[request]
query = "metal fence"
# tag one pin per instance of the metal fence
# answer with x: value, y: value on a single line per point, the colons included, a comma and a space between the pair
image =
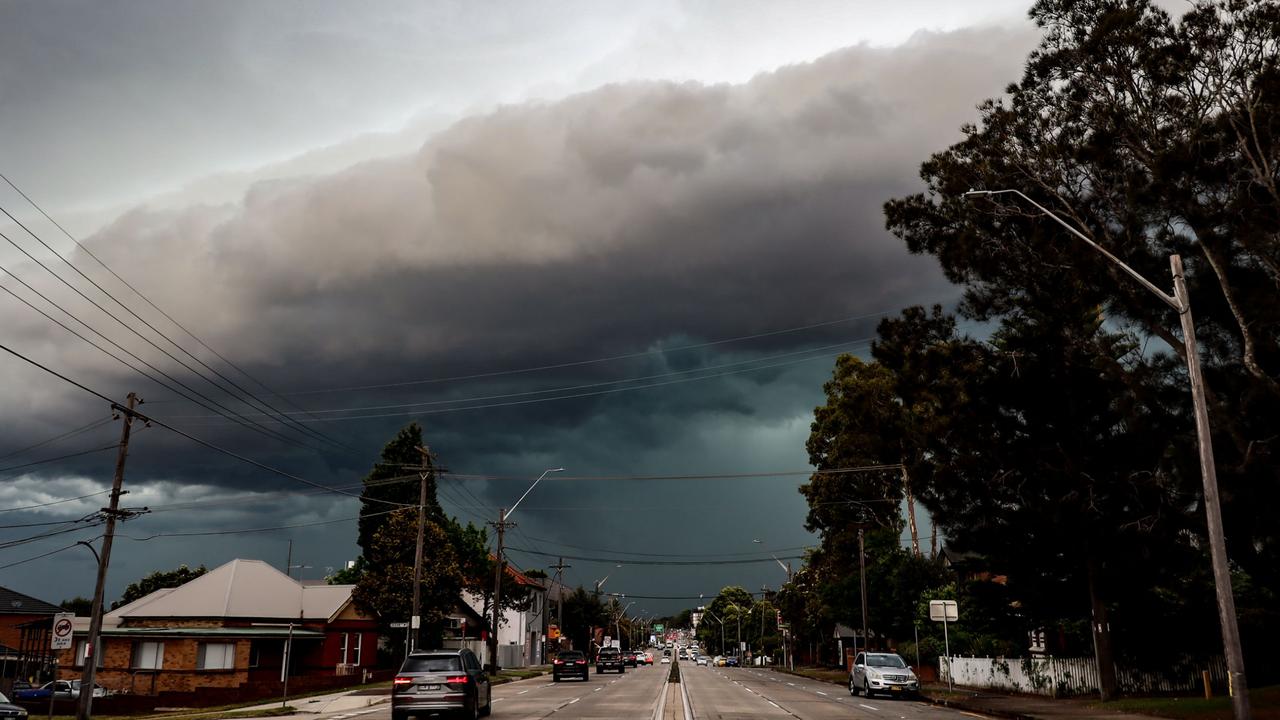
x: 1062, y: 677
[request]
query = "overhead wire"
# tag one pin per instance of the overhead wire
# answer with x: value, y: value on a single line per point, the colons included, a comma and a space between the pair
x: 306, y: 430
x: 66, y: 456
x: 140, y: 294
x: 59, y: 501
x: 183, y: 433
x: 622, y: 561
x: 38, y: 557
x: 245, y: 531
x: 243, y: 421
x: 60, y: 436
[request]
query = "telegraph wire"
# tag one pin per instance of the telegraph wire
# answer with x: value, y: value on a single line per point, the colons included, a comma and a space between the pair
x: 61, y: 436
x: 577, y: 363
x: 244, y: 531
x: 623, y: 561
x: 126, y: 308
x: 90, y: 451
x: 59, y: 501
x: 242, y: 421
x: 189, y: 436
x: 38, y: 557
x: 145, y: 299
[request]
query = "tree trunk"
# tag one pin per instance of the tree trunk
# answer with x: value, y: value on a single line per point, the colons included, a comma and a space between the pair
x: 1101, y: 630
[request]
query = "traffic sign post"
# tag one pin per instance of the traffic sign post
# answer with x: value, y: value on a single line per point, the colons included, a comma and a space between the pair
x: 945, y: 611
x: 62, y: 630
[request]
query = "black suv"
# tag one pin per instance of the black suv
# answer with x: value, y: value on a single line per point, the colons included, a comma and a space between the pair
x: 569, y: 663
x: 433, y: 681
x: 610, y: 658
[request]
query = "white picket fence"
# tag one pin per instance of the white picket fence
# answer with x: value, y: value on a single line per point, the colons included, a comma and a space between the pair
x: 1061, y: 677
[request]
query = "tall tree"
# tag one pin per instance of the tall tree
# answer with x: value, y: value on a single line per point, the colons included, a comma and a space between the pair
x: 394, y: 482
x: 157, y: 580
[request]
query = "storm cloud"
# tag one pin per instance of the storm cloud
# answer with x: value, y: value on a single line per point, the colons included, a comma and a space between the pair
x: 626, y: 220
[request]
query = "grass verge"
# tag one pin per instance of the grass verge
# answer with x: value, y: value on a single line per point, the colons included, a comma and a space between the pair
x: 1265, y: 702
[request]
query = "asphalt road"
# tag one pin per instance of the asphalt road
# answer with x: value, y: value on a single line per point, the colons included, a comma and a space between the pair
x: 739, y: 693
x: 714, y: 694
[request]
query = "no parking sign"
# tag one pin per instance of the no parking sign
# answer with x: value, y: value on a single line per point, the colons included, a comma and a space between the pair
x: 62, y: 627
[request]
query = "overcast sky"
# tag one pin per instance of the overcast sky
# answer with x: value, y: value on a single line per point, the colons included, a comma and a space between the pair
x: 335, y: 195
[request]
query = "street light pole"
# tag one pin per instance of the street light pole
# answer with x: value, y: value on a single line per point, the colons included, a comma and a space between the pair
x: 499, y: 565
x: 1181, y: 302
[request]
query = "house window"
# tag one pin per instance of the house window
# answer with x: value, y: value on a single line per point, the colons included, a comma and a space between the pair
x: 255, y: 654
x: 148, y: 655
x: 216, y: 656
x: 81, y: 647
x: 359, y: 647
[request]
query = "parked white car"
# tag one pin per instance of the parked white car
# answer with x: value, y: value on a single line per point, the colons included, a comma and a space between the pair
x: 884, y: 673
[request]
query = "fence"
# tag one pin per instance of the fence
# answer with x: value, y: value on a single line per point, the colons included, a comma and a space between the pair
x: 1061, y: 677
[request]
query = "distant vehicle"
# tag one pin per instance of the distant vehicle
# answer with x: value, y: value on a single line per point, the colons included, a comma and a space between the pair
x: 884, y: 673
x: 630, y: 659
x: 569, y: 663
x: 610, y: 658
x: 702, y: 660
x: 23, y: 690
x: 666, y: 660
x: 731, y: 661
x: 718, y: 661
x: 433, y: 681
x: 9, y: 710
x: 645, y: 657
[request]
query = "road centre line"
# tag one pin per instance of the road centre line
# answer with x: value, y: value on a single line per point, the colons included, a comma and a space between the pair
x: 869, y: 707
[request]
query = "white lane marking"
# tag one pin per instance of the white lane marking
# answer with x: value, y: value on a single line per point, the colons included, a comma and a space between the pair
x: 868, y: 707
x: 791, y: 684
x: 774, y: 704
x: 497, y: 700
x: 522, y: 692
x: 597, y: 689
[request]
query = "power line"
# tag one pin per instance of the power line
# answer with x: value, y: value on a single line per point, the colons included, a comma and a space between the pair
x: 59, y: 501
x: 578, y: 363
x: 61, y: 436
x: 704, y: 476
x: 242, y: 421
x: 244, y: 531
x: 672, y: 555
x: 624, y: 561
x: 59, y: 457
x: 38, y: 557
x: 146, y: 299
x: 183, y: 433
x: 126, y: 308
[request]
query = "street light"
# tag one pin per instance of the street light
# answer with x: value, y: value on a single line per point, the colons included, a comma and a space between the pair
x: 501, y: 526
x: 1181, y: 302
x: 786, y: 567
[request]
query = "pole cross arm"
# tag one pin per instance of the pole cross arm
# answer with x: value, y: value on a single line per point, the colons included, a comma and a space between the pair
x: 1166, y: 297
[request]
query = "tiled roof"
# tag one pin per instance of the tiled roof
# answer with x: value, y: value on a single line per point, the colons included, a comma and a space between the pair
x: 13, y: 602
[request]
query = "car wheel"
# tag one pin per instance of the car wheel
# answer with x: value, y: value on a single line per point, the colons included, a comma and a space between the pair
x: 474, y: 711
x: 866, y: 689
x: 853, y: 689
x: 488, y: 704
x: 555, y: 678
x: 399, y: 715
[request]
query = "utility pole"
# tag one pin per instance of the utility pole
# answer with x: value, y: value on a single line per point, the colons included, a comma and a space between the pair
x: 911, y: 511
x: 501, y: 526
x: 84, y: 708
x: 415, y: 621
x: 862, y: 572
x: 559, y: 588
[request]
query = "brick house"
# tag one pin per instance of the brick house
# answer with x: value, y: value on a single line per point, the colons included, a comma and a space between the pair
x: 229, y: 628
x: 25, y: 624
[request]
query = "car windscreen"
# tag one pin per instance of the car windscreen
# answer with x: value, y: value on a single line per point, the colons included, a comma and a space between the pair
x: 432, y: 663
x: 572, y: 655
x: 3, y: 699
x: 889, y: 661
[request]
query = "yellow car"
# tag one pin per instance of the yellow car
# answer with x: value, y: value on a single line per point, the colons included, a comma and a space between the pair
x: 719, y: 661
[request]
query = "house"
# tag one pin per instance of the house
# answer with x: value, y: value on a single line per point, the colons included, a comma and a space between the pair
x: 25, y: 624
x: 235, y: 626
x: 521, y: 633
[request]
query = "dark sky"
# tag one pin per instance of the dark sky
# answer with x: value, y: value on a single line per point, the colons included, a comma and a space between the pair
x: 328, y: 220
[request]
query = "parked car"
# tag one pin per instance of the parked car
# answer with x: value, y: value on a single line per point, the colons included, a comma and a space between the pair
x: 702, y: 660
x: 629, y: 658
x: 432, y: 681
x: 882, y: 673
x: 23, y: 690
x: 731, y: 661
x: 610, y: 658
x: 60, y: 689
x: 9, y: 711
x: 569, y: 663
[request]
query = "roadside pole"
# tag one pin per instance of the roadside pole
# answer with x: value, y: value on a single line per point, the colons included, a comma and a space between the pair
x: 84, y: 705
x: 415, y: 634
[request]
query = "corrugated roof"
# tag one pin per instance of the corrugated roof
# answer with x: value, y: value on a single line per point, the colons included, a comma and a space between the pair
x: 240, y: 589
x: 13, y: 602
x: 239, y: 632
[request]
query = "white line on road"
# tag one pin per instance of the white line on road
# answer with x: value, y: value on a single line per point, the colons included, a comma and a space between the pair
x: 774, y: 704
x: 597, y: 689
x: 868, y: 707
x: 574, y: 700
x: 820, y: 692
x: 522, y: 692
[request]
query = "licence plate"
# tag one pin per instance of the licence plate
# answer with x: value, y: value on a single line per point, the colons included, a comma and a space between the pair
x: 429, y: 687
x: 895, y: 688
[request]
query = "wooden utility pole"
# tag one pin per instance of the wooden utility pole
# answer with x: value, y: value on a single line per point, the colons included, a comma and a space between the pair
x: 84, y: 707
x: 1212, y: 508
x: 501, y: 526
x: 415, y: 621
x: 862, y: 572
x: 558, y: 585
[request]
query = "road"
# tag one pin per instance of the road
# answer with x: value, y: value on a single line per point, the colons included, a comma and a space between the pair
x: 714, y: 694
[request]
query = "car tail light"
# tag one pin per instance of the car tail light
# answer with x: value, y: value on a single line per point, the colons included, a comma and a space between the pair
x: 457, y: 680
x: 559, y: 662
x: 582, y: 662
x: 402, y: 681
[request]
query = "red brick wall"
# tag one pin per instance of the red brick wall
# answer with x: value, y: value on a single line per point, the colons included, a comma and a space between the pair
x: 10, y: 634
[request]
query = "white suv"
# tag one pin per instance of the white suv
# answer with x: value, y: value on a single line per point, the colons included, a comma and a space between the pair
x: 882, y: 673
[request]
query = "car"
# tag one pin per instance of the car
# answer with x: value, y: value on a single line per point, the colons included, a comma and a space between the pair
x: 10, y: 711
x: 569, y: 663
x: 882, y: 673
x: 23, y: 690
x: 610, y: 658
x: 702, y: 660
x: 629, y: 658
x: 731, y: 661
x: 666, y: 660
x: 434, y: 681
x: 648, y: 658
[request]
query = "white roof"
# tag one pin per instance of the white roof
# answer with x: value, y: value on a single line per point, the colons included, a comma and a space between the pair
x: 240, y: 589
